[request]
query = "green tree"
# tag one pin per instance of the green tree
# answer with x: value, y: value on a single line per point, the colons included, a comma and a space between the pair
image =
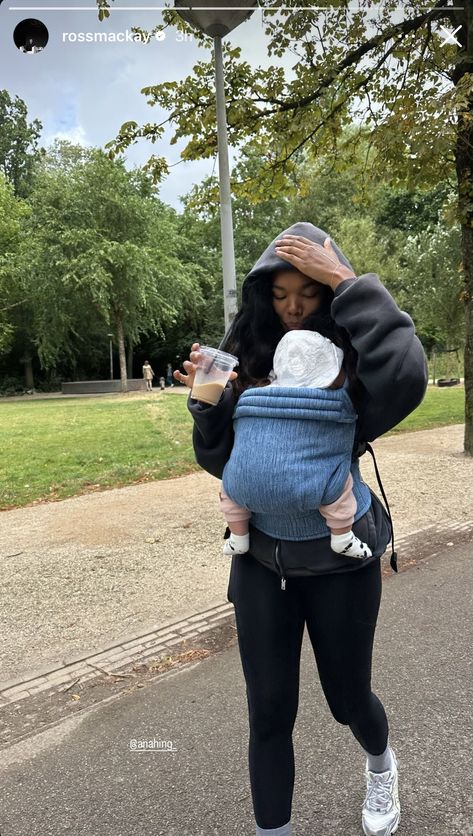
x: 95, y: 250
x: 372, y: 250
x: 63, y: 155
x: 18, y: 143
x: 253, y: 224
x: 434, y: 279
x: 200, y: 312
x: 12, y: 211
x: 394, y: 80
x: 411, y: 211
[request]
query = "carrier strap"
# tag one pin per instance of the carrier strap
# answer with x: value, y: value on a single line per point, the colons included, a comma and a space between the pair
x: 393, y: 560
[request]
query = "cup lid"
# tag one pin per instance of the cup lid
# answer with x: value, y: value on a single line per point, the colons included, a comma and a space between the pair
x: 217, y: 353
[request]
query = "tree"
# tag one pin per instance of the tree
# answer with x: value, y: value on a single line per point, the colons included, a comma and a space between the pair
x: 200, y: 312
x: 253, y: 222
x: 95, y: 250
x: 64, y: 156
x: 12, y: 210
x: 433, y: 274
x: 412, y: 211
x: 18, y: 143
x: 404, y: 90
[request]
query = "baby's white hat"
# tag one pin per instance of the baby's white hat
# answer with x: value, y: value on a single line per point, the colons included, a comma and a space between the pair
x: 306, y: 358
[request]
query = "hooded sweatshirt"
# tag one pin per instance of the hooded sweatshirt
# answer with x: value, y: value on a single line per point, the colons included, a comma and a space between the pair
x: 392, y: 370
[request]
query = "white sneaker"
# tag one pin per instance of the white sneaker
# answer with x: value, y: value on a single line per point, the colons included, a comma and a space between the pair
x: 381, y: 811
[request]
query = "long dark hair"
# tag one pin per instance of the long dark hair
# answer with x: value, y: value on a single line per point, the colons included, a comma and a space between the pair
x: 257, y: 329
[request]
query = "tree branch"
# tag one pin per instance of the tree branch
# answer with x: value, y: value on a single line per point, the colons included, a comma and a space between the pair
x: 358, y: 87
x: 14, y: 305
x: 424, y: 48
x: 354, y: 57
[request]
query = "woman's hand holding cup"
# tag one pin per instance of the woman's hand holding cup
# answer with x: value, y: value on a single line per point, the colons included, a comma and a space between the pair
x: 191, y: 368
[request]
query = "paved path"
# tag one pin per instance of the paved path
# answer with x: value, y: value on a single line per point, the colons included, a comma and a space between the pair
x: 81, y: 777
x: 104, y: 568
x: 47, y: 396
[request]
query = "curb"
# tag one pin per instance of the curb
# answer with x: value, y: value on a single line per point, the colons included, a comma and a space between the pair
x: 416, y: 547
x: 134, y: 649
x: 138, y: 647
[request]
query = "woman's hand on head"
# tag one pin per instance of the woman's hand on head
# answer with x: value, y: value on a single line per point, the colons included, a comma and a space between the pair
x: 191, y: 368
x: 319, y: 263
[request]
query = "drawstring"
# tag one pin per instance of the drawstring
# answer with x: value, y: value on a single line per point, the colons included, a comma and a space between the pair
x: 393, y: 560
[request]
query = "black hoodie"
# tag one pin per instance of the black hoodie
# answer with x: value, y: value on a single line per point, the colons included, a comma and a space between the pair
x: 392, y: 369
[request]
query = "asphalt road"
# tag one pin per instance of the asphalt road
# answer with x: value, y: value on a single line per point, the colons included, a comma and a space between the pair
x: 81, y: 776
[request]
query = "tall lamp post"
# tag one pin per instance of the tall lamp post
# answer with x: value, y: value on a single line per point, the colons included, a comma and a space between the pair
x: 110, y: 337
x: 218, y: 22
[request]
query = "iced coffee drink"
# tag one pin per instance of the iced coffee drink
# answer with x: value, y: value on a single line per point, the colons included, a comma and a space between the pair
x: 212, y: 374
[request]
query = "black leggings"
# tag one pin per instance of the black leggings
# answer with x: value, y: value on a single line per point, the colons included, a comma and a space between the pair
x: 340, y: 611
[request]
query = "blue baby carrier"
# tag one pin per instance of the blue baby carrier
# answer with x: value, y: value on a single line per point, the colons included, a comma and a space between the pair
x: 292, y: 448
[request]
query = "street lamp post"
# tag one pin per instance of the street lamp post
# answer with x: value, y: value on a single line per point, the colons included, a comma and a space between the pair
x: 110, y: 337
x: 218, y: 22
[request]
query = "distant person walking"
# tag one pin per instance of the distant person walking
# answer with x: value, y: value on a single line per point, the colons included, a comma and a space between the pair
x: 169, y: 377
x: 148, y: 375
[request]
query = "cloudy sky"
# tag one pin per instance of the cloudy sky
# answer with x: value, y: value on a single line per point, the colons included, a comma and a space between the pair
x: 84, y: 91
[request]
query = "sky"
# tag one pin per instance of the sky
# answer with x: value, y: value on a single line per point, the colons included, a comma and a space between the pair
x: 84, y: 91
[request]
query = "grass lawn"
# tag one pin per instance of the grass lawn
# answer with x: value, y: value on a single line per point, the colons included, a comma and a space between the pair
x: 440, y: 407
x: 52, y: 449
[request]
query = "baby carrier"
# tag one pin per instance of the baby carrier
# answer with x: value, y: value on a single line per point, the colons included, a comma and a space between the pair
x: 292, y: 448
x: 281, y: 464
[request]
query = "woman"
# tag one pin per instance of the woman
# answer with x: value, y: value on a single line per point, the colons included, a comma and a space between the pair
x: 148, y: 375
x: 302, y: 281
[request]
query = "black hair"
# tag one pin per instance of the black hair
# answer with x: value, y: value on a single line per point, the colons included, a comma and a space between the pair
x: 257, y: 329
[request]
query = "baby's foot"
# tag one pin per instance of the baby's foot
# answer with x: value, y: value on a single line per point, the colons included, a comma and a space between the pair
x: 237, y: 544
x: 349, y: 545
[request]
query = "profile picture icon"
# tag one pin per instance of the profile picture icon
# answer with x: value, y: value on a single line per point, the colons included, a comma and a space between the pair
x: 30, y: 36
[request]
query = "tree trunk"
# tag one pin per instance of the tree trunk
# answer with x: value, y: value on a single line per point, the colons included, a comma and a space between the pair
x: 130, y: 360
x: 464, y: 169
x: 467, y: 247
x: 29, y: 377
x: 122, y: 354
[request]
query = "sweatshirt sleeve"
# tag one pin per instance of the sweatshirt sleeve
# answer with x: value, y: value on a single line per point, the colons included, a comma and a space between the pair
x: 212, y: 434
x: 391, y: 364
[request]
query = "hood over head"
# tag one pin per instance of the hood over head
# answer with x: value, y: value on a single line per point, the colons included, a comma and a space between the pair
x: 269, y: 262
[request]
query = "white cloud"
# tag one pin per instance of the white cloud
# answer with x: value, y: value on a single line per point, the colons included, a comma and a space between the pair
x: 76, y: 135
x: 84, y: 92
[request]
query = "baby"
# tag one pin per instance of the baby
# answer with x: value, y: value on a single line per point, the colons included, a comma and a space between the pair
x: 304, y: 359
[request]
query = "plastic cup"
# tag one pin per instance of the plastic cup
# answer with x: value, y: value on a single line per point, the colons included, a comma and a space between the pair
x: 213, y: 371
